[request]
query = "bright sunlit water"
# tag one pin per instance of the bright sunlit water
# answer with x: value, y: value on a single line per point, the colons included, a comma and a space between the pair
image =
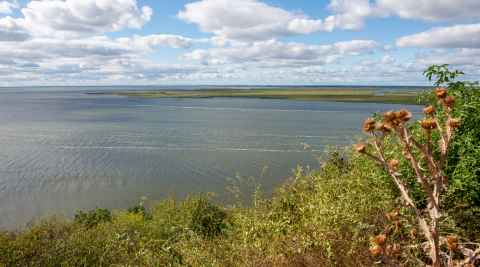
x: 65, y: 150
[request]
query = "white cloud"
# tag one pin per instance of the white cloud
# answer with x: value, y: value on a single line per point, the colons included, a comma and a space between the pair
x: 152, y: 41
x: 73, y: 17
x: 247, y: 20
x: 273, y: 52
x: 7, y: 7
x: 90, y: 59
x: 253, y: 20
x: 11, y: 30
x: 458, y: 36
x: 459, y: 57
x: 432, y: 9
x: 305, y: 26
x: 351, y: 14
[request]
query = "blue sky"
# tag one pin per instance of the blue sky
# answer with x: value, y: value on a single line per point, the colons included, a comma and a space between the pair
x: 108, y: 42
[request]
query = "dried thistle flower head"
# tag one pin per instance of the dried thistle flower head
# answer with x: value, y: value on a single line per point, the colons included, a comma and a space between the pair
x: 403, y: 115
x: 369, y: 125
x: 380, y: 239
x: 428, y: 124
x: 389, y: 116
x: 441, y: 92
x: 452, y: 242
x: 449, y: 101
x: 383, y: 127
x: 360, y: 147
x: 454, y: 123
x: 393, y: 164
x: 429, y: 111
x: 376, y: 250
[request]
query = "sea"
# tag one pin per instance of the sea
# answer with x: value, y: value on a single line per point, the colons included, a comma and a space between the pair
x: 63, y: 150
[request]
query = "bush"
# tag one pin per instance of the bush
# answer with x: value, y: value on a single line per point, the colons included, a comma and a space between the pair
x: 208, y: 219
x: 140, y: 209
x: 462, y: 200
x: 93, y: 217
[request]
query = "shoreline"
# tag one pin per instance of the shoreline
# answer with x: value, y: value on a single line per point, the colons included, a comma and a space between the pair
x: 310, y: 94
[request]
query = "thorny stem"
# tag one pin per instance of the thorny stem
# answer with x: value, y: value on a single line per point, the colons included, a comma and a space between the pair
x: 429, y: 231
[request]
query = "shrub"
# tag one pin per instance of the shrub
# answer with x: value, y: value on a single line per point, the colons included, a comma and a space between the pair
x: 462, y: 199
x: 140, y: 209
x: 93, y: 217
x: 208, y: 219
x: 428, y: 161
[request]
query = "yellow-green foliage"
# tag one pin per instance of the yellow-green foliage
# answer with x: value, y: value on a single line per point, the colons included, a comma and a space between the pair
x: 321, y: 217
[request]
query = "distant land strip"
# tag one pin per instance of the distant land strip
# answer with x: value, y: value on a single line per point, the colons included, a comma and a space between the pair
x: 311, y: 94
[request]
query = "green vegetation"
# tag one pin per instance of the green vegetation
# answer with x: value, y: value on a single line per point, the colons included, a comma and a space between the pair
x: 338, y: 94
x: 322, y: 217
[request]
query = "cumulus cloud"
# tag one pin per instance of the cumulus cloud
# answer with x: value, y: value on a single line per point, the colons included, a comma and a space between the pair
x: 432, y: 9
x: 458, y: 57
x: 151, y: 41
x: 62, y: 40
x: 458, y: 36
x: 276, y: 52
x: 7, y: 7
x: 90, y: 59
x: 72, y: 17
x: 11, y: 30
x: 247, y: 20
x: 351, y: 14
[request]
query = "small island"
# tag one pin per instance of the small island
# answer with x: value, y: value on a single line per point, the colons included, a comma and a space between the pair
x: 407, y: 96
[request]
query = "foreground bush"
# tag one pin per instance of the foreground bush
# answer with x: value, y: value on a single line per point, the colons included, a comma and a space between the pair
x: 462, y: 199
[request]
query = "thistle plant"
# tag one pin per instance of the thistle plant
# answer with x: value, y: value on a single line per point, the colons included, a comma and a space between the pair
x: 427, y: 159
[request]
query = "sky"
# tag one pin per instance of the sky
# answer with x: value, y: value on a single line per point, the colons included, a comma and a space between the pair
x: 288, y: 42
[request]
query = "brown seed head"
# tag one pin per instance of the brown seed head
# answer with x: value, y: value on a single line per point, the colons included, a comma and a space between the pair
x: 454, y: 123
x: 452, y: 242
x: 403, y: 115
x: 441, y: 92
x: 429, y: 111
x: 369, y: 125
x: 449, y: 101
x: 413, y: 233
x: 428, y: 124
x: 360, y: 148
x: 383, y: 127
x: 376, y: 250
x: 389, y: 116
x: 393, y: 164
x: 380, y: 239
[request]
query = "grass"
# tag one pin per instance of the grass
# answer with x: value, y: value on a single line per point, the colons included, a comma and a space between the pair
x: 337, y: 94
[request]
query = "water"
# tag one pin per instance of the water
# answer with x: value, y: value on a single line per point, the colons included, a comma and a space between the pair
x: 61, y: 151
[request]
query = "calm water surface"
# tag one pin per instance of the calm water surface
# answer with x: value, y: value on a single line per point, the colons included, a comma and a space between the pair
x: 63, y: 151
